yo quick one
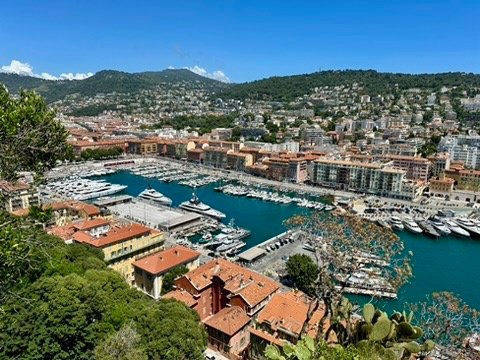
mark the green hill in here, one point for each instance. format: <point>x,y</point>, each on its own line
<point>108,81</point>
<point>287,88</point>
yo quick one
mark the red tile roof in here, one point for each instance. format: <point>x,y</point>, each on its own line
<point>165,260</point>
<point>13,186</point>
<point>239,281</point>
<point>90,224</point>
<point>89,209</point>
<point>266,336</point>
<point>117,235</point>
<point>183,296</point>
<point>286,311</point>
<point>229,320</point>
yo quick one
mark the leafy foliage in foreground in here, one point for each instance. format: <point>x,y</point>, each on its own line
<point>30,137</point>
<point>374,337</point>
<point>68,303</point>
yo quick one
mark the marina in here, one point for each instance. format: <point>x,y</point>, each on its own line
<point>264,219</point>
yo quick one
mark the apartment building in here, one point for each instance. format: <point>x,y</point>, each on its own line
<point>120,244</point>
<point>416,168</point>
<point>464,179</point>
<point>216,156</point>
<point>462,148</point>
<point>65,212</point>
<point>239,161</point>
<point>440,163</point>
<point>81,146</point>
<point>227,297</point>
<point>18,196</point>
<point>356,176</point>
<point>441,187</point>
<point>142,147</point>
<point>150,270</point>
<point>286,318</point>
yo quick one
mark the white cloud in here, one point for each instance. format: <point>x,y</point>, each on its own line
<point>216,75</point>
<point>77,76</point>
<point>47,76</point>
<point>17,67</point>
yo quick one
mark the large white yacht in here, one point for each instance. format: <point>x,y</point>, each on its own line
<point>396,223</point>
<point>412,226</point>
<point>440,227</point>
<point>155,196</point>
<point>468,225</point>
<point>82,189</point>
<point>457,230</point>
<point>195,205</point>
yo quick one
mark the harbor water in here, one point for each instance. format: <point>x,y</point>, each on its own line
<point>445,264</point>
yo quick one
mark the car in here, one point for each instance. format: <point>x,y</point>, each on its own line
<point>285,258</point>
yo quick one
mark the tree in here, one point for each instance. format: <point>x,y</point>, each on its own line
<point>303,271</point>
<point>61,301</point>
<point>121,345</point>
<point>42,216</point>
<point>30,137</point>
<point>169,278</point>
<point>343,246</point>
<point>236,133</point>
<point>25,253</point>
<point>447,320</point>
<point>171,331</point>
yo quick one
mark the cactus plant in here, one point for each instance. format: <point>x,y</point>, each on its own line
<point>395,334</point>
<point>380,330</point>
<point>368,312</point>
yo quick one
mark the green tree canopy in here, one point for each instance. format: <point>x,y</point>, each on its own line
<point>62,302</point>
<point>303,272</point>
<point>169,278</point>
<point>30,137</point>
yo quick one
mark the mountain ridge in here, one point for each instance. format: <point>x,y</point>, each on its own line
<point>107,81</point>
<point>281,88</point>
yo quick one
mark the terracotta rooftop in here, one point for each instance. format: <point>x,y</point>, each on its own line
<point>286,311</point>
<point>229,320</point>
<point>11,186</point>
<point>266,336</point>
<point>117,235</point>
<point>89,209</point>
<point>239,281</point>
<point>90,224</point>
<point>181,295</point>
<point>166,260</point>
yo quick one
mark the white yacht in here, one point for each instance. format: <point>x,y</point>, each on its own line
<point>195,205</point>
<point>155,196</point>
<point>412,226</point>
<point>396,223</point>
<point>82,189</point>
<point>468,225</point>
<point>440,227</point>
<point>457,230</point>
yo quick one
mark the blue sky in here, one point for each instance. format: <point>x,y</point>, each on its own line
<point>242,40</point>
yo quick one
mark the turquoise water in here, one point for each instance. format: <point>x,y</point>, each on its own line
<point>446,264</point>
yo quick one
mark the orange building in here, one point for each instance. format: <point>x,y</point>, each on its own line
<point>150,270</point>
